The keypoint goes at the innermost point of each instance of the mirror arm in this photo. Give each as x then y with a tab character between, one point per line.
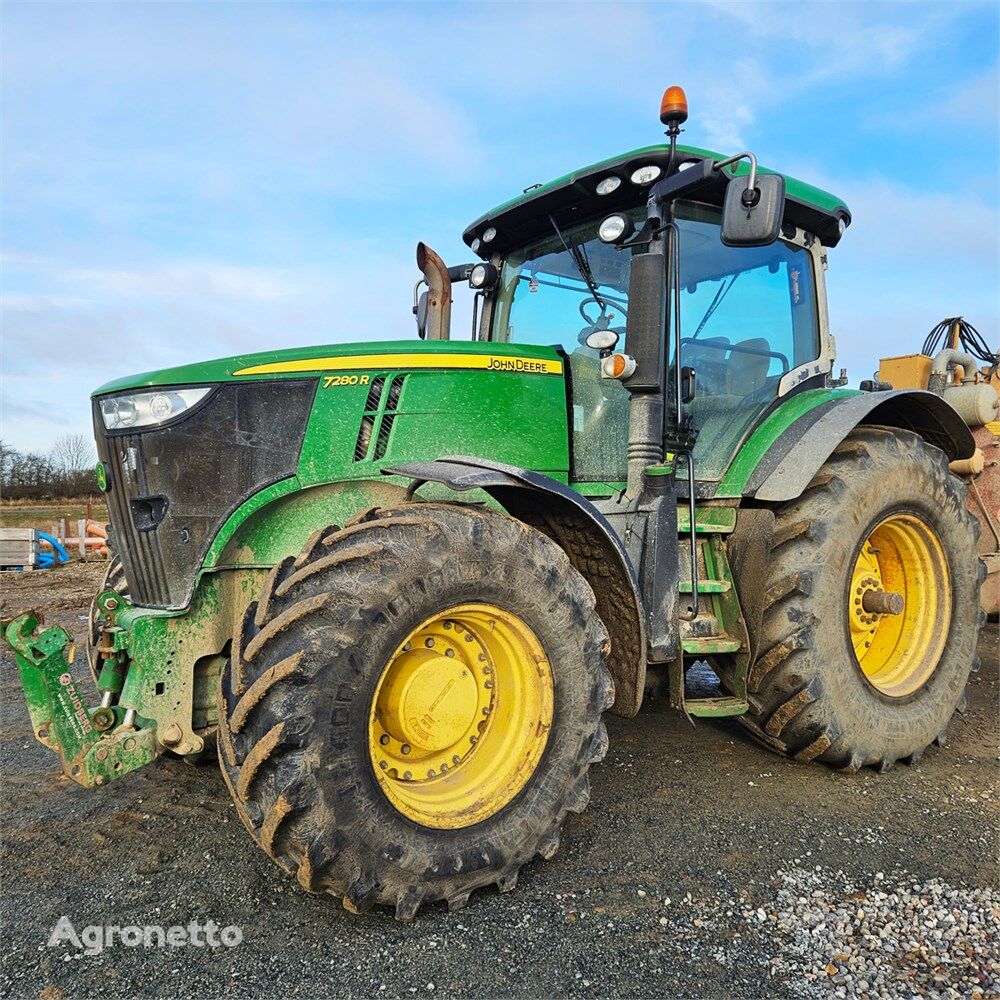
752	184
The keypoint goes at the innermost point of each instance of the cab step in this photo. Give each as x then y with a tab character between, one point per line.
706	586
716	708
708	645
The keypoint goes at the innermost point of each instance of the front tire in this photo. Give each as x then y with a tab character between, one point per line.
413	704
836	679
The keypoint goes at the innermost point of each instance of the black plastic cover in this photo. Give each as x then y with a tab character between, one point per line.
644	331
172	487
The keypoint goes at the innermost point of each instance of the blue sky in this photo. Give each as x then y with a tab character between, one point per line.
183	181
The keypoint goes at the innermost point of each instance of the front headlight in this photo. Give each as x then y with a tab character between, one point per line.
144	409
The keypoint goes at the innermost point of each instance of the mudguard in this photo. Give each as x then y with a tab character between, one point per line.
582	532
790	463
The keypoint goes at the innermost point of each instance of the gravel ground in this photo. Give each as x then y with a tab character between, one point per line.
704	867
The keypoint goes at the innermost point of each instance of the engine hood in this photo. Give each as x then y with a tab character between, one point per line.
330	359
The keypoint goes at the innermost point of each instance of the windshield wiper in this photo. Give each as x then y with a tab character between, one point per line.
716	302
582	265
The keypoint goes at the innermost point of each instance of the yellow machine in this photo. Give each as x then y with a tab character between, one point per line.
956	363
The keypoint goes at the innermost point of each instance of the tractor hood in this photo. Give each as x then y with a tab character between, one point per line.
325	420
332	359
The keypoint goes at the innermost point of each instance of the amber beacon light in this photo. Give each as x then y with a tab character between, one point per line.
674	107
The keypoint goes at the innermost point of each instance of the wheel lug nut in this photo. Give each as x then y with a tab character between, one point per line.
447	624
407	646
430	773
383	764
406	748
407	775
428	643
486	711
488	685
444	768
473	739
384	740
456	759
468	637
449	652
482	657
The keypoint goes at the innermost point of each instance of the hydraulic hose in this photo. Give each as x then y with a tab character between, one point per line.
46	559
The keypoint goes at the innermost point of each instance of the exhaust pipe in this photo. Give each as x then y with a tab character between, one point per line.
437	320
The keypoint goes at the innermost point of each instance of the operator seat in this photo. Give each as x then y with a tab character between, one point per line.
748	372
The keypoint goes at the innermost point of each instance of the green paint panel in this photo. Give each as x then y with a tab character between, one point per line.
449	412
777	422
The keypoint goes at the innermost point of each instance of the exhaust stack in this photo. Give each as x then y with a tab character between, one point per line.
437	321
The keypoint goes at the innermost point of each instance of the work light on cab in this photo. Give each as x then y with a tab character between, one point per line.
614	228
646	174
483	277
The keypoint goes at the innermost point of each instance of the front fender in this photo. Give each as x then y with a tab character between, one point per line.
790	463
583	533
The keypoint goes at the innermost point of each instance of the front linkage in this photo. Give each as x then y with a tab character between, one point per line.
95	745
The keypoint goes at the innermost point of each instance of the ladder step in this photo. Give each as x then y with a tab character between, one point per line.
713	520
706	587
716	644
716	707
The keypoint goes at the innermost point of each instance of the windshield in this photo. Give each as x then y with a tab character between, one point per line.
748	316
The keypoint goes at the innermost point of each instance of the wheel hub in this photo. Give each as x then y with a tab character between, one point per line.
899	606
461	716
429	700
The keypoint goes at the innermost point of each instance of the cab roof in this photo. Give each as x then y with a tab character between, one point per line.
572	198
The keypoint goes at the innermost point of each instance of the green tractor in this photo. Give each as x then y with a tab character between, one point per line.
399	583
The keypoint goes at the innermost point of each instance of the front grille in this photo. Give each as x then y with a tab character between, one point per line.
139	550
171	488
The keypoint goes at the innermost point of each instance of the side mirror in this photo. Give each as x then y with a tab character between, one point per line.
420	311
753	218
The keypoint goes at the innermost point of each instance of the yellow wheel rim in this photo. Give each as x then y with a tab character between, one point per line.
461	716
900	604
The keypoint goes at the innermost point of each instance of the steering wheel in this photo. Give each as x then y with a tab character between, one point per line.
604	304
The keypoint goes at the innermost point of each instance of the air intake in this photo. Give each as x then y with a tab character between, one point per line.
378	418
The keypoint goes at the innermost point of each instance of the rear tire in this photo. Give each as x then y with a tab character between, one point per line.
812	696
299	698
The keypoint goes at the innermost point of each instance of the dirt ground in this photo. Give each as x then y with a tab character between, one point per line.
688	832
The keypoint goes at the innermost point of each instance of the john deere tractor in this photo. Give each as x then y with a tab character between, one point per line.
401	582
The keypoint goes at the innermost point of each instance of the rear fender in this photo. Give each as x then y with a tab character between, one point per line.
791	462
585	536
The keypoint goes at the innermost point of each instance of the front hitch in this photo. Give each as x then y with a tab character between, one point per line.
95	745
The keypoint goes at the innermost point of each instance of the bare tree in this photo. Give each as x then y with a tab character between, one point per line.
73	454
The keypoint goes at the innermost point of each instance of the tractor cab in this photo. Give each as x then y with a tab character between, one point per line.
747	325
750	316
